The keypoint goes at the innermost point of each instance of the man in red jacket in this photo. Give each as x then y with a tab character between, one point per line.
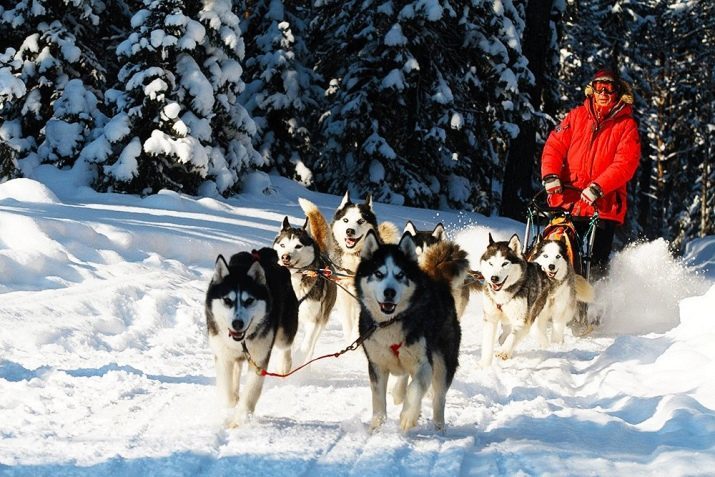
590	157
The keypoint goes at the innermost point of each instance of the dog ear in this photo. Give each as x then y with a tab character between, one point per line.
346	200
410	228
491	240
439	232
306	227
286	223
257	274
368	200
370	246
407	245
515	244
220	269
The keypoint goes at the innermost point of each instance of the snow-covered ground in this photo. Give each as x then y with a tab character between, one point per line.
105	367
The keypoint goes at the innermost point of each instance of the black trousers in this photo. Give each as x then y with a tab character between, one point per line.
602	245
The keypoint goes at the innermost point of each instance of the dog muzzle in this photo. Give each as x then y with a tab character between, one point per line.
351	242
387	308
236	335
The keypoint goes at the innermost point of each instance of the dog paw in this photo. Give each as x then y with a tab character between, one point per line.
408	420
239	419
503	355
376	422
439	427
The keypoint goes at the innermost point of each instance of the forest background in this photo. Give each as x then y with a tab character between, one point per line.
427	103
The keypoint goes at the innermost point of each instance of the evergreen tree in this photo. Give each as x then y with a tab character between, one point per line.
282	94
44	46
177	122
418	114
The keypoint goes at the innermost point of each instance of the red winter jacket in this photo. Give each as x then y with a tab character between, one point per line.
581	150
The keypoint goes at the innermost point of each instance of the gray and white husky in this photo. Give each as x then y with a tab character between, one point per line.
250	309
301	254
566	291
411	327
350	225
515	292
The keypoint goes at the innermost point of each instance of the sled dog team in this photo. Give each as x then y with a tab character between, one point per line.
399	295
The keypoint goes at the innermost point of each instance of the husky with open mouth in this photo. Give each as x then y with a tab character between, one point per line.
300	251
349	227
250	310
411	329
567	289
514	293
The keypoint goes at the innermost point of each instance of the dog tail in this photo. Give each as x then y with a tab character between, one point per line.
389	233
584	290
446	262
316	221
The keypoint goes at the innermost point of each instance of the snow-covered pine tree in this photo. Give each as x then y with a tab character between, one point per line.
232	129
177	123
282	92
413	114
45	45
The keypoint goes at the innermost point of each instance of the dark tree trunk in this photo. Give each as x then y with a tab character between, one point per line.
520	160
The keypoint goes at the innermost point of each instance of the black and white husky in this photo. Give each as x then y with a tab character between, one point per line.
300	252
351	224
567	289
443	260
411	328
515	292
250	309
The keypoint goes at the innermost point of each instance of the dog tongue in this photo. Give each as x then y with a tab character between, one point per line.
350	242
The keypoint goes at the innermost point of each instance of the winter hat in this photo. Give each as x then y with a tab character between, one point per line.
607	75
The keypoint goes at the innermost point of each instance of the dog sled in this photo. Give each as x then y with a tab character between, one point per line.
544	222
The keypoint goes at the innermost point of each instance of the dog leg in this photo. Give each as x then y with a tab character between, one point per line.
378	386
488	337
225	383
505	331
247	402
542	322
439	391
415	392
517	334
312	332
400	389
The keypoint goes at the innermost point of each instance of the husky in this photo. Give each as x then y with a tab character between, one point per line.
566	291
250	309
423	238
443	260
301	252
410	328
348	230
515	292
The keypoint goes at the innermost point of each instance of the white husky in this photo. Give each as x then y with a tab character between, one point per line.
567	289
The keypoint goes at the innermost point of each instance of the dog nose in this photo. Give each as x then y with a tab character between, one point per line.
389	293
285	257
350	232
237	324
551	266
494	279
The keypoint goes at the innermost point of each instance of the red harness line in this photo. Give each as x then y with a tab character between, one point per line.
353	346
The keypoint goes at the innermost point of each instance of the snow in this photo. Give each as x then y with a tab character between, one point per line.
105	367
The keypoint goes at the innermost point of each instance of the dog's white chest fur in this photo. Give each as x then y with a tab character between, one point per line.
387	348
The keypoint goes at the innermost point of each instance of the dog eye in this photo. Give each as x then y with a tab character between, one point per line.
228	302
361	221
558	256
248	301
283	245
505	264
379	274
298	247
400	275
345	220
